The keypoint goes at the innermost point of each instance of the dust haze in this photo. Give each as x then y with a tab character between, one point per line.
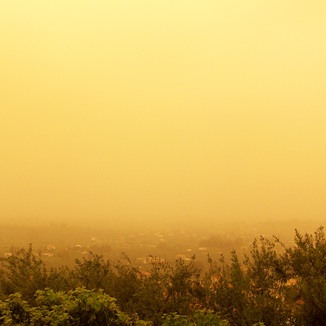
137	115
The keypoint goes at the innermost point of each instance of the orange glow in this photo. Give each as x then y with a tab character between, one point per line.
162	111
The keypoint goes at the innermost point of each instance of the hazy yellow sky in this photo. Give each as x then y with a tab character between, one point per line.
162	110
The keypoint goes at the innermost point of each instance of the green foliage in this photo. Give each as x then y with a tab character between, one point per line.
274	285
306	264
170	288
207	318
227	290
175	319
267	288
61	279
23	272
184	287
78	307
252	293
199	318
14	311
93	272
126	284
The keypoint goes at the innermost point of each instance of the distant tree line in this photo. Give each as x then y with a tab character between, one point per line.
276	284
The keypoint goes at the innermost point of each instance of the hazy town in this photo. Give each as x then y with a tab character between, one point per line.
61	244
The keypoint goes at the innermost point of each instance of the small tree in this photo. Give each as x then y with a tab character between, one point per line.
306	263
77	307
93	273
23	272
267	288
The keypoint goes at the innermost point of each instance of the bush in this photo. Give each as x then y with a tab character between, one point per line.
78	307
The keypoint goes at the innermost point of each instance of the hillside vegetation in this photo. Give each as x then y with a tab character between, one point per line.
275	284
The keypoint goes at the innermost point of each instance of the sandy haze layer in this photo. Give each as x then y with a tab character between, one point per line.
162	112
